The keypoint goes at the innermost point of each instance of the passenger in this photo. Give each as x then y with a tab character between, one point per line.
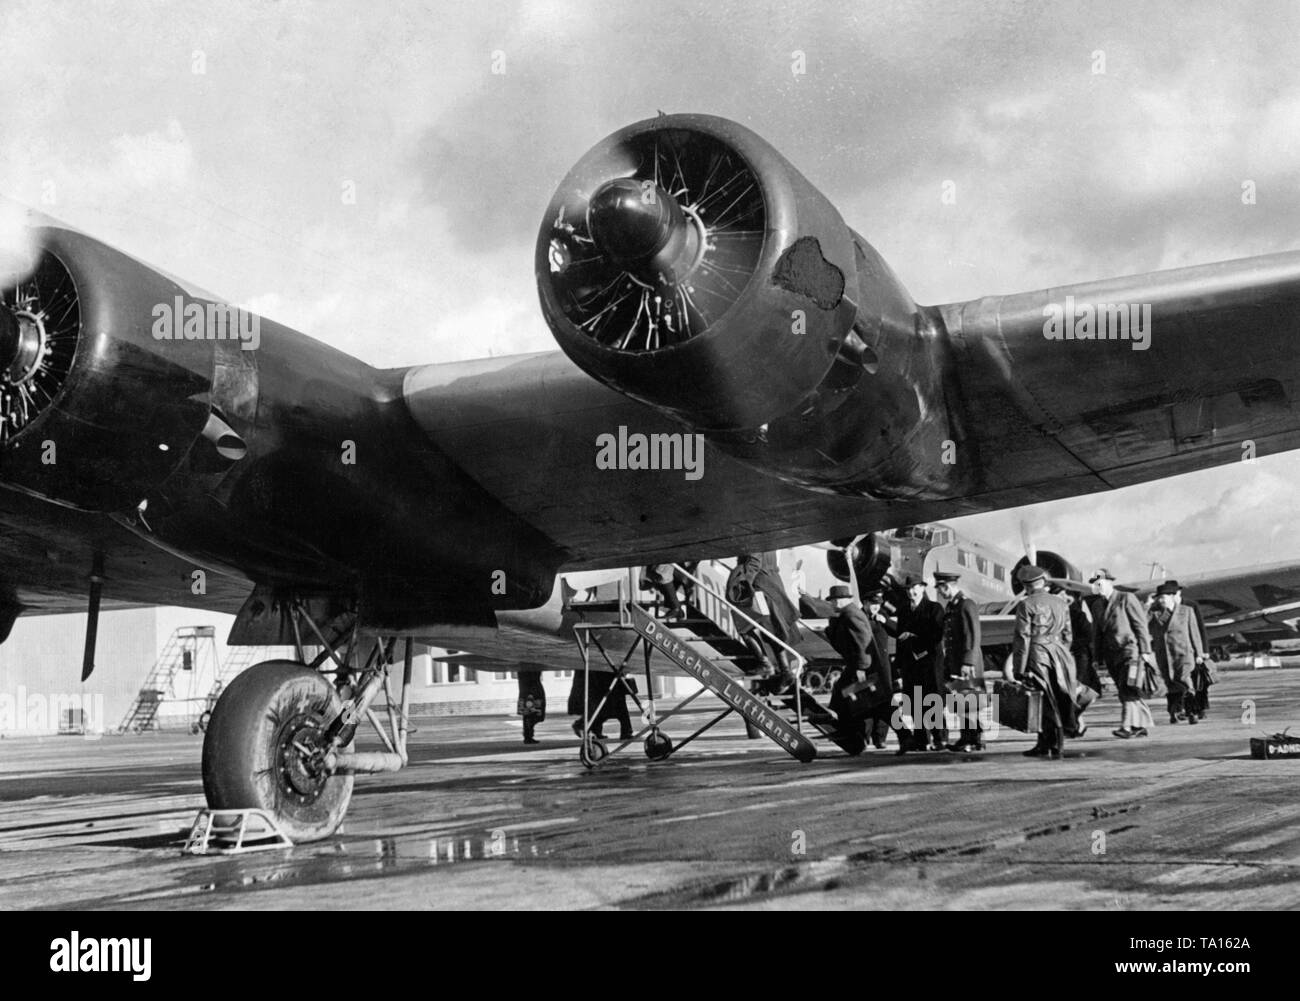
862	642
1203	675
918	656
755	587
687	585
615	707
1178	650
1040	655
1089	684
661	578
603	686
1122	643
963	656
1081	647
532	702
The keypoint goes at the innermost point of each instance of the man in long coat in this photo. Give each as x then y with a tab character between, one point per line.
1122	642
754	586
863	644
963	656
918	656
1040	657
1203	675
1177	644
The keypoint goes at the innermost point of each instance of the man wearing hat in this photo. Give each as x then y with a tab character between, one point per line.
1122	642
918	656
1040	655
962	654
1178	650
861	641
1203	675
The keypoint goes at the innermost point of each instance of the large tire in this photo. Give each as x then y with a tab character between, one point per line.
248	758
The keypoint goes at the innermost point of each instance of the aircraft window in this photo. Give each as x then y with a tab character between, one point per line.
963	558
943	538
999	572
982	565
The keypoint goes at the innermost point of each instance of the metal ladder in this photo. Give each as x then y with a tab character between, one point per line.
238	659
705	645
188	648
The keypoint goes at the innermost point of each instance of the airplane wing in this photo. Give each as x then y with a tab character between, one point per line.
881	413
739	371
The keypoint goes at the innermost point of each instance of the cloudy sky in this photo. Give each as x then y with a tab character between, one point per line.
358	170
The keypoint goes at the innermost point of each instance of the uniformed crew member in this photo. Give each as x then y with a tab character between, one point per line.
862	642
1178	650
1122	642
1040	657
918	656
963	657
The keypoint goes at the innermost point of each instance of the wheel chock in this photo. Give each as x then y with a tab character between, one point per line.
234	832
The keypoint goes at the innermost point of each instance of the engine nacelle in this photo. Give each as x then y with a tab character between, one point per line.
1055	564
95	411
871	561
685	263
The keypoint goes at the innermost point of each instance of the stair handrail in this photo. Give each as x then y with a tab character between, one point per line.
799	658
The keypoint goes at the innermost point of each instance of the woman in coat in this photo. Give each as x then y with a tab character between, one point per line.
1040	656
1176	640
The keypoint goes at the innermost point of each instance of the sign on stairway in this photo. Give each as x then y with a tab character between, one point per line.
719	682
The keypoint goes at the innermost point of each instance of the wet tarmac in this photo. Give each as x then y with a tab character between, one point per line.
1183	819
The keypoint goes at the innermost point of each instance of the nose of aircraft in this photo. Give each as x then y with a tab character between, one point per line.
632	220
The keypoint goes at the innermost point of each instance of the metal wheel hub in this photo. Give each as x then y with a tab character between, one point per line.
301	758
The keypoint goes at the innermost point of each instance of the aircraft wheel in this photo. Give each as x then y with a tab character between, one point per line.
592	750
813	681
205	718
658	746
258	750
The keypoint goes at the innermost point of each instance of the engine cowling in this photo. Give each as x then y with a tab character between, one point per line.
1055	564
684	262
871	561
94	410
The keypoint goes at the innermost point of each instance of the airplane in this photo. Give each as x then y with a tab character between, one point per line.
1246	609
738	371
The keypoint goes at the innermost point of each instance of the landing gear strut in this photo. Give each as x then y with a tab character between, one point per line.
280	737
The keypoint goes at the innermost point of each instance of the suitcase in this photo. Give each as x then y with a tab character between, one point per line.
1279	745
1018	707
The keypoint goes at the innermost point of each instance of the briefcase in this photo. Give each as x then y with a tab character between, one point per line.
1018	706
862	699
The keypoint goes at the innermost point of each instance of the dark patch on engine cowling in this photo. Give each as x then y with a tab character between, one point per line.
803	270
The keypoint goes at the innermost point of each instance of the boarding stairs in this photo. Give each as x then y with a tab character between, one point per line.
704	643
190	648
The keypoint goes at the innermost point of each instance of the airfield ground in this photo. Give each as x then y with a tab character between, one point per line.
1184	819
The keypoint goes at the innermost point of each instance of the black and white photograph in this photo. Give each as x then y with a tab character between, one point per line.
524	455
